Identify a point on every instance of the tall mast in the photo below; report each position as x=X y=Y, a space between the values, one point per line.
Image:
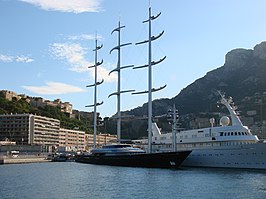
x=118 y=70
x=96 y=83
x=172 y=117
x=149 y=65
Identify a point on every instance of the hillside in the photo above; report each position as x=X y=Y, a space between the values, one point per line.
x=21 y=106
x=242 y=76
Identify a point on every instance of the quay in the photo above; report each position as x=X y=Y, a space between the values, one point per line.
x=23 y=159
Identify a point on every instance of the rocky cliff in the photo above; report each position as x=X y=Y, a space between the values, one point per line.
x=243 y=74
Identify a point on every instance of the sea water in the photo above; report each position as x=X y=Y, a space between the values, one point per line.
x=75 y=180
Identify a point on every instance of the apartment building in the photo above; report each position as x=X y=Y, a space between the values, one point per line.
x=71 y=140
x=44 y=130
x=29 y=129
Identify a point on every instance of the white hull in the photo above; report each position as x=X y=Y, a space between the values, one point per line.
x=230 y=145
x=251 y=156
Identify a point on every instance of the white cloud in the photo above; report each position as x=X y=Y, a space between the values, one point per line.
x=23 y=59
x=10 y=58
x=53 y=88
x=74 y=54
x=6 y=58
x=82 y=37
x=75 y=6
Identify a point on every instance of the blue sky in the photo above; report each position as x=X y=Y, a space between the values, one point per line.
x=46 y=45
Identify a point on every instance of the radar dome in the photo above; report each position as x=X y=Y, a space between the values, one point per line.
x=224 y=121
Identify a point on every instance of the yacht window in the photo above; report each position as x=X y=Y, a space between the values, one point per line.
x=242 y=133
x=235 y=133
x=239 y=133
x=200 y=131
x=221 y=133
x=224 y=134
x=246 y=133
x=232 y=133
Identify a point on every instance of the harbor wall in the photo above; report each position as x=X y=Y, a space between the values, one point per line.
x=21 y=148
x=23 y=159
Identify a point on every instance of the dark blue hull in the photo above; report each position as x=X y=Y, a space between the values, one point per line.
x=153 y=160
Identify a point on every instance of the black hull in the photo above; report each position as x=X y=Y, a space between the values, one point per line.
x=153 y=160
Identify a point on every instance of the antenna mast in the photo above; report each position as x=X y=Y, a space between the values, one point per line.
x=149 y=65
x=118 y=70
x=231 y=108
x=96 y=83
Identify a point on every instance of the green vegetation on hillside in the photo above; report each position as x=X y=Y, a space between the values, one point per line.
x=21 y=106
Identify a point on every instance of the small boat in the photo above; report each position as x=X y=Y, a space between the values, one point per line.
x=59 y=157
x=63 y=157
x=127 y=155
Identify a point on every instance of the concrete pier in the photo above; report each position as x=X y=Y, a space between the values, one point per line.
x=22 y=160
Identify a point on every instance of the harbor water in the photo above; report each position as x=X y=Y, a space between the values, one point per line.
x=75 y=180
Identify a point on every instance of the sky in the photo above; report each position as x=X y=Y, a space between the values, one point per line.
x=46 y=46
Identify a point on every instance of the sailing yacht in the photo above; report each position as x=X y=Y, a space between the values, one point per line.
x=127 y=155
